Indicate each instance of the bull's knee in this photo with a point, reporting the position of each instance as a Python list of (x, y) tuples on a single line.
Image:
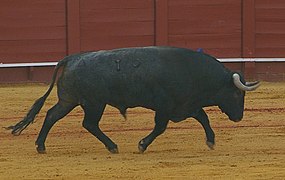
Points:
[(88, 126)]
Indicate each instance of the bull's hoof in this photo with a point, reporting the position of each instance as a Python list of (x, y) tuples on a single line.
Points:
[(210, 145), (41, 150), (113, 150), (142, 147)]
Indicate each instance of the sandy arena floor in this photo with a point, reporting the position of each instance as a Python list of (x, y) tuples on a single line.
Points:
[(251, 149)]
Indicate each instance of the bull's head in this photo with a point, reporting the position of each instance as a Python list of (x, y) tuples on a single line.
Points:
[(231, 98)]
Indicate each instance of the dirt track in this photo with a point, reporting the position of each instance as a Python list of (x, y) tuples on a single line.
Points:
[(251, 149)]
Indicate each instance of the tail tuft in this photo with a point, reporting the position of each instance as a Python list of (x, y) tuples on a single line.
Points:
[(23, 124)]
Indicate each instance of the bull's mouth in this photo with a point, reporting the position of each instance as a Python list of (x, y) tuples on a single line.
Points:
[(235, 118)]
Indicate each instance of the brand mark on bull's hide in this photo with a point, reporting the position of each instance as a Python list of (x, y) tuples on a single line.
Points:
[(118, 64), (136, 64)]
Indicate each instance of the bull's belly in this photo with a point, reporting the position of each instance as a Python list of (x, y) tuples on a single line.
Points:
[(179, 117), (123, 106), (183, 112), (175, 113)]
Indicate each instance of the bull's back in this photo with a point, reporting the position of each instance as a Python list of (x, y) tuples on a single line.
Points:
[(145, 77)]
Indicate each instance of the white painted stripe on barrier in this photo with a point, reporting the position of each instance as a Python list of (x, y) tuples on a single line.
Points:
[(224, 60), (15, 65), (251, 60)]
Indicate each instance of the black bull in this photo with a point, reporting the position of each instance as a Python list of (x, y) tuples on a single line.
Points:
[(176, 83)]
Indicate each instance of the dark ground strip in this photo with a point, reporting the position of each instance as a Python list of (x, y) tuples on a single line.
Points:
[(78, 114), (169, 128)]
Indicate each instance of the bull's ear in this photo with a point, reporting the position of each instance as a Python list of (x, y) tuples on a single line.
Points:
[(244, 87)]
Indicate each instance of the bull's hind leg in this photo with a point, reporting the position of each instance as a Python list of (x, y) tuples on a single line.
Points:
[(91, 120), (203, 119), (160, 125), (57, 112)]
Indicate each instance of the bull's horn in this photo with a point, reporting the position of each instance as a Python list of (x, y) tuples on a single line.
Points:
[(251, 83), (250, 86)]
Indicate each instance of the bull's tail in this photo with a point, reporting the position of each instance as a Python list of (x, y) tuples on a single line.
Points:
[(37, 106)]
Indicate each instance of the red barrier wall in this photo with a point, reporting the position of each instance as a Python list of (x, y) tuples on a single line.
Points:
[(42, 31)]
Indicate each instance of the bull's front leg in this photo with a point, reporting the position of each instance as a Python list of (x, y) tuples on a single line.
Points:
[(160, 125), (203, 119)]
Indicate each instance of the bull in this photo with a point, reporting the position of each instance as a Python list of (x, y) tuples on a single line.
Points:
[(175, 83)]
